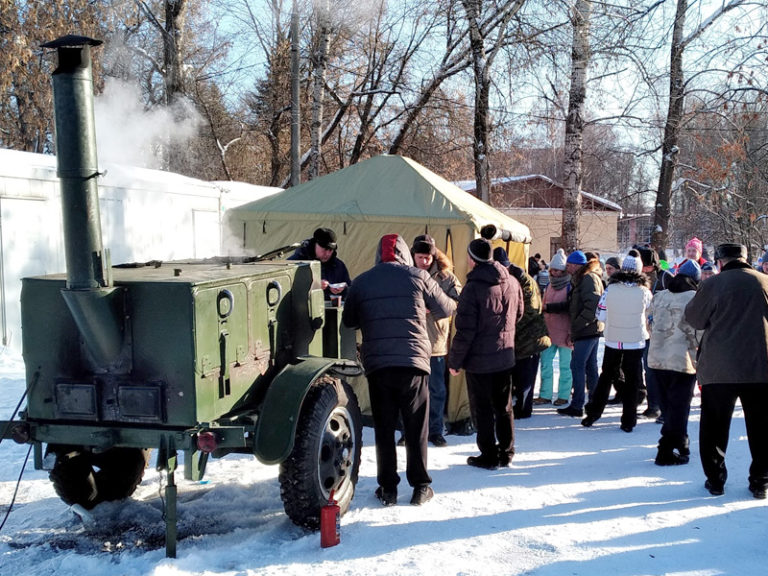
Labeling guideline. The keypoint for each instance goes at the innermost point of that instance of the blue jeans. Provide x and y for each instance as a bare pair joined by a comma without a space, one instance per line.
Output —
583,369
437,395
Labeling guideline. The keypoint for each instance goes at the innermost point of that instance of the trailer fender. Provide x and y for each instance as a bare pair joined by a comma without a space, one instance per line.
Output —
276,426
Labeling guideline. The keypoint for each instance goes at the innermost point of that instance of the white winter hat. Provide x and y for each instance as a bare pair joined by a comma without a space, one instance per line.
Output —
632,262
558,260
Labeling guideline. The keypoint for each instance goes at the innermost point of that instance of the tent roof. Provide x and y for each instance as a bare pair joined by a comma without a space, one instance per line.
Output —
389,187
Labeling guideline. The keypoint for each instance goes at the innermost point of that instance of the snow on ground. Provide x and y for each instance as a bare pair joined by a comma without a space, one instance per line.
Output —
576,501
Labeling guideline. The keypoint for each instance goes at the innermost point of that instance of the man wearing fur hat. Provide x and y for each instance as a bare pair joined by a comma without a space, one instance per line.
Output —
490,306
428,257
622,308
333,272
395,353
732,310
587,287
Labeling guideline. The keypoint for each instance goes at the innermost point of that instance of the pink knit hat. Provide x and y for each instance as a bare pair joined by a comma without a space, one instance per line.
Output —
695,243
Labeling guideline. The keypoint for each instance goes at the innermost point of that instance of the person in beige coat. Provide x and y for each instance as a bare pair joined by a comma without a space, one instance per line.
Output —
672,357
732,309
428,257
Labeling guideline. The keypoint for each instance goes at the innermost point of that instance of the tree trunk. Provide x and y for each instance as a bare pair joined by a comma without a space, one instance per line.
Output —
175,13
320,64
574,126
669,147
480,68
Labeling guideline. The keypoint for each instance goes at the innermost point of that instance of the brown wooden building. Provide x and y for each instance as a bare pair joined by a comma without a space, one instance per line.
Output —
537,202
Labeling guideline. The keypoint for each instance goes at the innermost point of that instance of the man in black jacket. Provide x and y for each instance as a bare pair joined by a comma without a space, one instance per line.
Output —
333,272
490,305
389,304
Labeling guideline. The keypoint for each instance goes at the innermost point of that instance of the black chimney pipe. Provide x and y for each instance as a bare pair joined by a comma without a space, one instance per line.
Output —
91,299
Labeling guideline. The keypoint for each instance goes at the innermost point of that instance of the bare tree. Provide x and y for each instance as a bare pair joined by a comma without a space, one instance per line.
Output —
574,124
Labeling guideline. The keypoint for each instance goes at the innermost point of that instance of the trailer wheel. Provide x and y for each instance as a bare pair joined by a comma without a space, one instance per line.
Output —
326,453
120,471
85,478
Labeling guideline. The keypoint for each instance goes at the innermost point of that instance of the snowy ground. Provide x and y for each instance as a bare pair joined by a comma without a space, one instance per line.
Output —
576,501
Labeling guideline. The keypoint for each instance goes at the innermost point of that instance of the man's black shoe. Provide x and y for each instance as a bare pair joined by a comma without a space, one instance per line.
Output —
571,411
651,413
386,497
588,421
504,461
483,462
715,490
422,494
437,440
626,428
670,459
759,492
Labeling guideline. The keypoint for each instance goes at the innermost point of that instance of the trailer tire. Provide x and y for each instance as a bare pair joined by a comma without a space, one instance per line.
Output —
325,455
120,472
84,478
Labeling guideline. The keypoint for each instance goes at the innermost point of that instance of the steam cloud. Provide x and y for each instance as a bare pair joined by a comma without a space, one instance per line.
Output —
126,133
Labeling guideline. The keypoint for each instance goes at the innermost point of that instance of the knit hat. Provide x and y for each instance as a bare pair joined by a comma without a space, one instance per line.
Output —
691,269
325,238
695,243
424,244
479,250
542,279
500,255
708,266
558,260
765,257
613,261
632,262
730,250
576,257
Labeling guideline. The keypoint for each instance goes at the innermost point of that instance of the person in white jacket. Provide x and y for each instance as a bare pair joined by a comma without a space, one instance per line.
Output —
672,357
622,308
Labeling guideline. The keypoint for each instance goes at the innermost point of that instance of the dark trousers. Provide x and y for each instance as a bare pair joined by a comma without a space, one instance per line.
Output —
523,381
490,401
437,395
717,404
614,361
401,392
651,385
675,393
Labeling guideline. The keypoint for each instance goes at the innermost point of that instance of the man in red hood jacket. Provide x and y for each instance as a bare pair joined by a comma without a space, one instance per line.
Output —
389,304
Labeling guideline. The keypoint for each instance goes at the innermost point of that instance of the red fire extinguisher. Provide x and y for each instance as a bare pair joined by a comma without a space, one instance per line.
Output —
330,523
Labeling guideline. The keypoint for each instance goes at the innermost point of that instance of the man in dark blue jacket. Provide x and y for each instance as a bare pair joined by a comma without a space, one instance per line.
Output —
322,246
389,304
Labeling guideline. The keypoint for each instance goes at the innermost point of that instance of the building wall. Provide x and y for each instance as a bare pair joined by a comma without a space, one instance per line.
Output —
598,231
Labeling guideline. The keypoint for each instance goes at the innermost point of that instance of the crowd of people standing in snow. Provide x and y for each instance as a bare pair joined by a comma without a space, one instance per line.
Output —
664,329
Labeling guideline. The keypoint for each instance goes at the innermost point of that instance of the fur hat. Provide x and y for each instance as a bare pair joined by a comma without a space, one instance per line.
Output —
500,255
576,257
649,256
691,269
480,250
730,250
424,244
613,261
325,238
632,262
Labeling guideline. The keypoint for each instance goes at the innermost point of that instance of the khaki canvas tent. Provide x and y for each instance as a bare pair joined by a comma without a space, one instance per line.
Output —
383,195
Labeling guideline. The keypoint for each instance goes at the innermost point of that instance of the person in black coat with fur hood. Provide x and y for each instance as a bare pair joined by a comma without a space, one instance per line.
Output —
389,304
490,305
